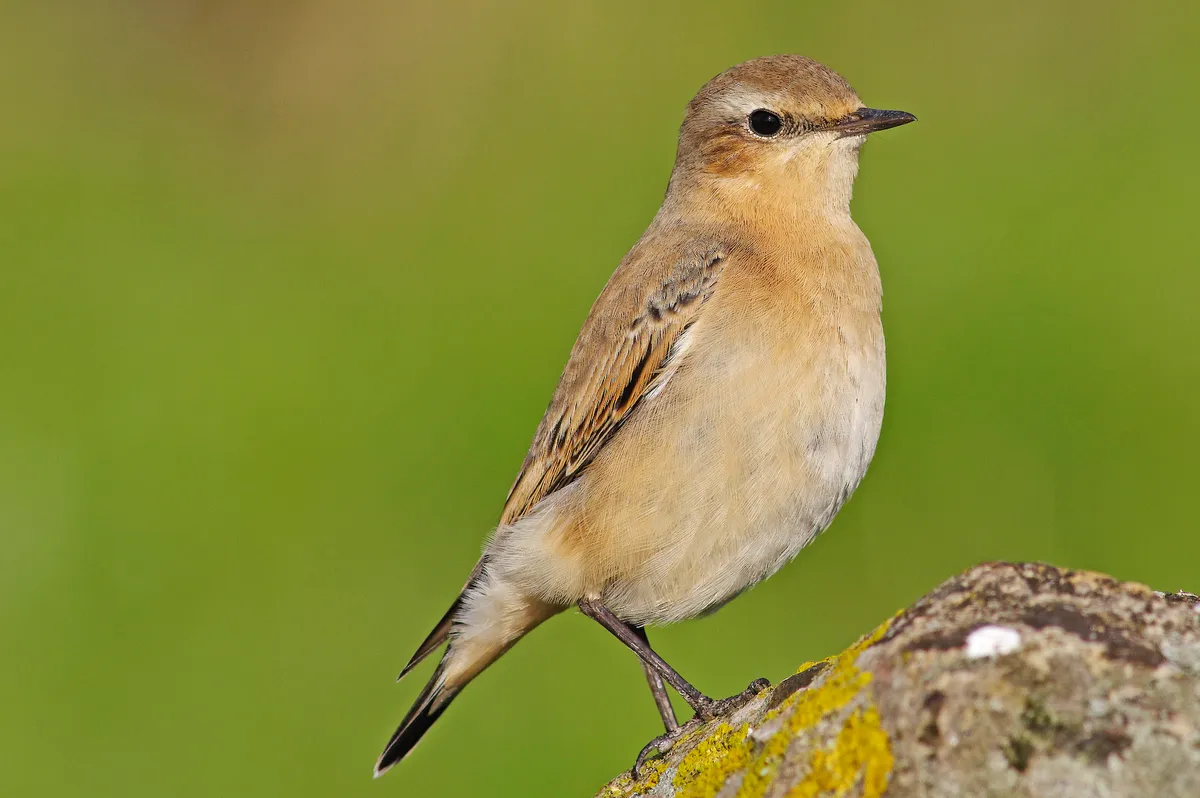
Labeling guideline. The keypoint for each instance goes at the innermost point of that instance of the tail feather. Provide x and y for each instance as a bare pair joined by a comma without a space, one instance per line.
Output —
484,622
434,640
428,707
441,632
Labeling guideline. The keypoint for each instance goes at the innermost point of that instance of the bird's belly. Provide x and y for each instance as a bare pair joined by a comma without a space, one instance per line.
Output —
749,459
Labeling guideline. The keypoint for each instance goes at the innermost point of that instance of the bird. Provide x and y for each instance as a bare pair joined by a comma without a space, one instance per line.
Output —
721,403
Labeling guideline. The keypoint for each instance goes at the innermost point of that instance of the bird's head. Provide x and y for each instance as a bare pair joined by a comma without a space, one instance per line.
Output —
785,125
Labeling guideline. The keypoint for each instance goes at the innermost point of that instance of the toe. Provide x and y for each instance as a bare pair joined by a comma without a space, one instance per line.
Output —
654,749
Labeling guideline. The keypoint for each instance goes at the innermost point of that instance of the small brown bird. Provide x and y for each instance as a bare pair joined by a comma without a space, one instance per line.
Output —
721,403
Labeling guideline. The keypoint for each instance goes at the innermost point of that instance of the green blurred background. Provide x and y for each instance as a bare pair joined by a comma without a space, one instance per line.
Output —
286,287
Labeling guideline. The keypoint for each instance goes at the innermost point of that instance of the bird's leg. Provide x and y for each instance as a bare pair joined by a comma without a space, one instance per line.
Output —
698,701
704,707
658,689
656,671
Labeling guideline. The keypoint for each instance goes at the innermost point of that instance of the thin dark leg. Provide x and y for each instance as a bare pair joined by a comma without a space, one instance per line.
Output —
698,701
658,689
658,671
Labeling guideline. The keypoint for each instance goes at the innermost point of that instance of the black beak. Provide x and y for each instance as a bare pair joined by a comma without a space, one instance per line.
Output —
868,120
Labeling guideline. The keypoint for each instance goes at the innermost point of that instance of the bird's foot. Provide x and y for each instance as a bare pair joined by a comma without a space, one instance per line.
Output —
724,706
661,745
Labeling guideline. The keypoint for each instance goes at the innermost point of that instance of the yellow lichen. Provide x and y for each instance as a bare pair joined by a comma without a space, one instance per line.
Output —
840,684
625,784
861,750
704,769
616,788
651,772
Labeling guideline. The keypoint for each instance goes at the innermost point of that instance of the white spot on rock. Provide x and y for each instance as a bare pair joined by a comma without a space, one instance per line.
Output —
992,641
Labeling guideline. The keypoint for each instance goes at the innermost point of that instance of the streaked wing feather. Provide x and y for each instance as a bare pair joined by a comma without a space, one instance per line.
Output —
622,354
636,326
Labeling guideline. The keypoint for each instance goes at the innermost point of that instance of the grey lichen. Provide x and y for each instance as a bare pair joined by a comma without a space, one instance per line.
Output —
1100,698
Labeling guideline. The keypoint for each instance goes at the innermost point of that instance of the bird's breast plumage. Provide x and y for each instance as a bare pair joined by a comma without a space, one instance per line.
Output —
766,426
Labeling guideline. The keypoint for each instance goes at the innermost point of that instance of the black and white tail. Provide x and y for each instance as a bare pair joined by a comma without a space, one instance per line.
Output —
428,707
484,622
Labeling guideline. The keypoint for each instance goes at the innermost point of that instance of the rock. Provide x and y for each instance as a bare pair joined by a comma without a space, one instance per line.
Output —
1012,679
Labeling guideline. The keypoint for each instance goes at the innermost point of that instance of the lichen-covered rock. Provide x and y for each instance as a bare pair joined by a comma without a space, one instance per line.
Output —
1015,680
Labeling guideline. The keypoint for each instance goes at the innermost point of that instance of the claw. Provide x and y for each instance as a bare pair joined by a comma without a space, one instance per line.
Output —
662,744
716,709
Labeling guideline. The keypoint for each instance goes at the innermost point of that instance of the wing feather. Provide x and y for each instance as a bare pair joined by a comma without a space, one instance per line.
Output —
623,350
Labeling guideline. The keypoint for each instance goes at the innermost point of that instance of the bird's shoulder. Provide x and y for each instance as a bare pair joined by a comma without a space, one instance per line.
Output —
656,293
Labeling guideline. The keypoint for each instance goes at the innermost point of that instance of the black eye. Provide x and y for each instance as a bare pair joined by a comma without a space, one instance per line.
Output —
765,123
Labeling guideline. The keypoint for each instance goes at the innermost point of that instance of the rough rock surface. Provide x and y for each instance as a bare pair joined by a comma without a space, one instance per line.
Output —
1012,679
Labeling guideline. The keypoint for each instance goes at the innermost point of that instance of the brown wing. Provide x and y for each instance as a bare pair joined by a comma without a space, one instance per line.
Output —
625,343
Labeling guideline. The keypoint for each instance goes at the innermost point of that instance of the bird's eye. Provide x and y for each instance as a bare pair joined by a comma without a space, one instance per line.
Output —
765,123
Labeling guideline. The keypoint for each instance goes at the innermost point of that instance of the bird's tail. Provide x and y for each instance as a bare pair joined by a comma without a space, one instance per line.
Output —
483,623
428,707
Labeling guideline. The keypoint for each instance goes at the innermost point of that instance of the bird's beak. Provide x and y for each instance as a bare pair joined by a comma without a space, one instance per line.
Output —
868,120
